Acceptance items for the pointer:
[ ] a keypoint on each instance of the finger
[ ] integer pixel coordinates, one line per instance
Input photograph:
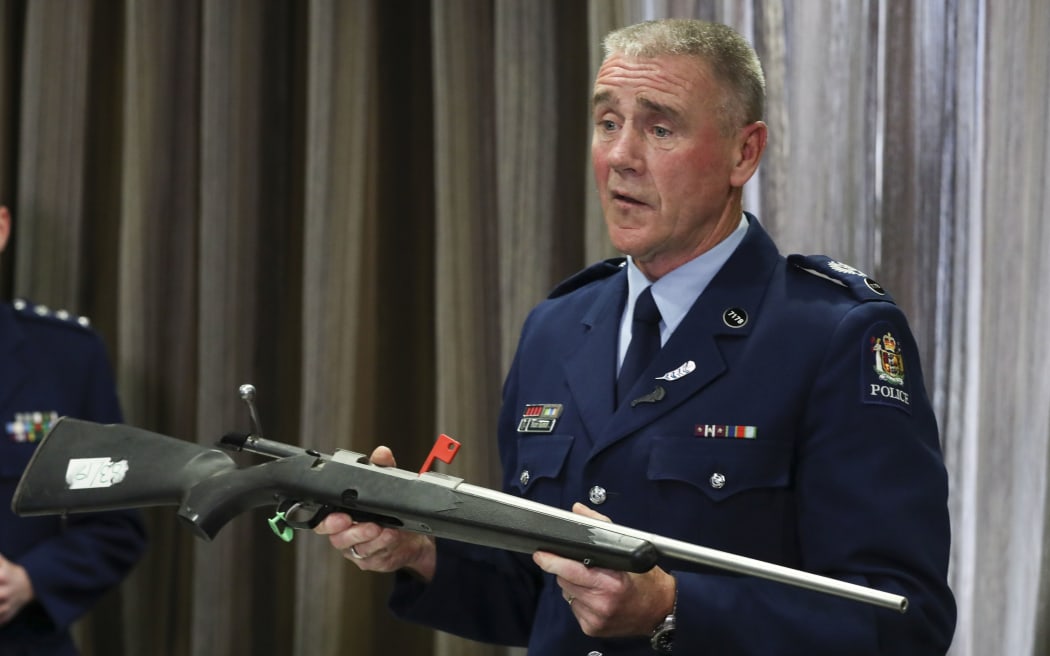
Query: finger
(383, 457)
(586, 511)
(546, 561)
(391, 551)
(564, 568)
(371, 545)
(569, 598)
(357, 534)
(334, 523)
(354, 553)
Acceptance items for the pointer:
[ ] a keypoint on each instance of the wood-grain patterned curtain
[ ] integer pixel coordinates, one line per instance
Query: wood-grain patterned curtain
(353, 205)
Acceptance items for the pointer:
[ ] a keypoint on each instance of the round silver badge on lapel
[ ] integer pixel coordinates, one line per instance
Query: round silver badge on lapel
(735, 317)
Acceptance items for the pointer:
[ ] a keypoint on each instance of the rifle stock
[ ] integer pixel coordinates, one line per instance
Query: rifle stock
(81, 466)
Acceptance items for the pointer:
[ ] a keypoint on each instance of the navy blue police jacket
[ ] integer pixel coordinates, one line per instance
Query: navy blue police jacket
(50, 366)
(794, 428)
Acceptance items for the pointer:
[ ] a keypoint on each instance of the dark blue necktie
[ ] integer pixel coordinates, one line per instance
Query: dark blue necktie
(645, 342)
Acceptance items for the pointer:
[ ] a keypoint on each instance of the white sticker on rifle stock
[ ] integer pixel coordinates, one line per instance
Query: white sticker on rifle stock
(87, 473)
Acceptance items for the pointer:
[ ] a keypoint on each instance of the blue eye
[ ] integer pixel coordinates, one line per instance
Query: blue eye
(661, 132)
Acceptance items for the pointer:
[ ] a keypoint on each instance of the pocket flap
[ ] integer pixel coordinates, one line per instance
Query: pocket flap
(720, 468)
(539, 457)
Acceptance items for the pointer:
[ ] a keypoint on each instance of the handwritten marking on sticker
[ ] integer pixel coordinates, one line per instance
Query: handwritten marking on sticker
(89, 473)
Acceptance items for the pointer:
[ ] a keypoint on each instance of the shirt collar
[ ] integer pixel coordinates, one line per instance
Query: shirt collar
(678, 290)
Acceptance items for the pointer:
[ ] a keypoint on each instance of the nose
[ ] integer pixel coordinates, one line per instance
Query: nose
(625, 152)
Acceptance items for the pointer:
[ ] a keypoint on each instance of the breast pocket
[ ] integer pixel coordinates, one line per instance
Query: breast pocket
(541, 459)
(721, 468)
(734, 495)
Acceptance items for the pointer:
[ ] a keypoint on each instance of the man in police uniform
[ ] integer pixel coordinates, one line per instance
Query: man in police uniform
(52, 570)
(783, 417)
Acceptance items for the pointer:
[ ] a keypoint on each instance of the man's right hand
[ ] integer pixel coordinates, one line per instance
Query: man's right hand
(16, 590)
(374, 548)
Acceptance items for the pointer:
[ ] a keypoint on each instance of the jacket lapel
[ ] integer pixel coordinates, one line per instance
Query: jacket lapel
(590, 367)
(695, 349)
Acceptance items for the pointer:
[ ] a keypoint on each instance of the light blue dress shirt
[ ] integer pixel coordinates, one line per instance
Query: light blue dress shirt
(675, 292)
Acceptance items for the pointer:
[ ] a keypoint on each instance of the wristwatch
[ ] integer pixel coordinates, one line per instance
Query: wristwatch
(662, 638)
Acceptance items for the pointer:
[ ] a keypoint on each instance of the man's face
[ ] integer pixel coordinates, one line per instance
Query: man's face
(662, 160)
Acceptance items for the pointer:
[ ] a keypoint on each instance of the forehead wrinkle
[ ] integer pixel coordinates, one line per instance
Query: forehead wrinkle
(646, 76)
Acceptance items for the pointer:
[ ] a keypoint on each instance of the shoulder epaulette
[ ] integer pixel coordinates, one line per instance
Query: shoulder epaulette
(24, 308)
(864, 288)
(602, 269)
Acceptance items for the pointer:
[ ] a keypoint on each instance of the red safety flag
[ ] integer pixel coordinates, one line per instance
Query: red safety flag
(445, 449)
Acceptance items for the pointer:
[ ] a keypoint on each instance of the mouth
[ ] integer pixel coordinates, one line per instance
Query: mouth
(626, 200)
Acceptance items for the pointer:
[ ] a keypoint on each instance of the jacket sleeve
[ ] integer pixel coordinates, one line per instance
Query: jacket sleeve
(477, 593)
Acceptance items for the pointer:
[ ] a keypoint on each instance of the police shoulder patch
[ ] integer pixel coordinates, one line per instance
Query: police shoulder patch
(884, 377)
(863, 287)
(598, 271)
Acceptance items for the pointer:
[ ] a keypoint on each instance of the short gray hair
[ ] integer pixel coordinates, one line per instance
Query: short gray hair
(731, 58)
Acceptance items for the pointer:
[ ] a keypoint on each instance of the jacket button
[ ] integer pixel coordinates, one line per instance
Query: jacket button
(718, 481)
(524, 478)
(597, 495)
(594, 653)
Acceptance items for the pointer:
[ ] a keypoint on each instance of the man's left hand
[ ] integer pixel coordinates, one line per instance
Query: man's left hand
(608, 603)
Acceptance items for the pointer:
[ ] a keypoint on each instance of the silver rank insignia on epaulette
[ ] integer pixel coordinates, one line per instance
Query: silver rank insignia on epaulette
(822, 266)
(852, 271)
(539, 417)
(30, 426)
(22, 305)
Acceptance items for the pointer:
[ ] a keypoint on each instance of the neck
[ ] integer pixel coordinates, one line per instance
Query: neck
(724, 226)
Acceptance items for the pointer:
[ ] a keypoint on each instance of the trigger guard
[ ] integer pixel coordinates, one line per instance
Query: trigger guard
(288, 507)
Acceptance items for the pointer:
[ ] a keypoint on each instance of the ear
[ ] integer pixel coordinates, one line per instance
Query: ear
(5, 227)
(752, 143)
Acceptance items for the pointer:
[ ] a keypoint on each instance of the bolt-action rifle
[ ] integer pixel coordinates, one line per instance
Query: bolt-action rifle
(82, 466)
